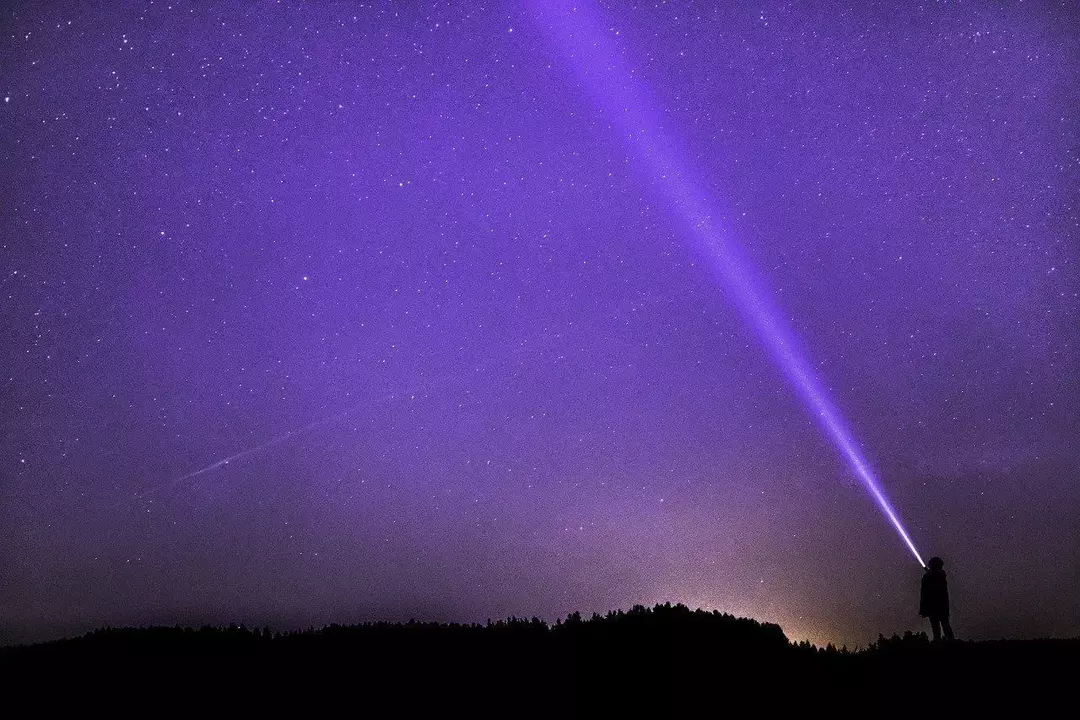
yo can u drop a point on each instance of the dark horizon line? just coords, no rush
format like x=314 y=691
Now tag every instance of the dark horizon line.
x=266 y=630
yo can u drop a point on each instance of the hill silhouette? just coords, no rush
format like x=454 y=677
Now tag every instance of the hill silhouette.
x=667 y=659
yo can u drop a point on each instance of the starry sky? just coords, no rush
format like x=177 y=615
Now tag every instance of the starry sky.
x=399 y=266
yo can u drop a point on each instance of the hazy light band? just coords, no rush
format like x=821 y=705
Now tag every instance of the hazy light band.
x=587 y=44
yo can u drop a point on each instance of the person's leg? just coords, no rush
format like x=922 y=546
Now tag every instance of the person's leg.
x=947 y=628
x=935 y=625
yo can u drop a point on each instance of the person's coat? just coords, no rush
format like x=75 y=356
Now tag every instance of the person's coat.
x=934 y=598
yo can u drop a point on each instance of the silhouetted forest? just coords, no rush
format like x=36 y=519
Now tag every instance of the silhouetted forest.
x=646 y=661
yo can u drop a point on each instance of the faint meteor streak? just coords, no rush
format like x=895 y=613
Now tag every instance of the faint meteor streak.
x=586 y=41
x=244 y=453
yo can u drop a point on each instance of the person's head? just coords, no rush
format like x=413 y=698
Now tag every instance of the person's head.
x=936 y=564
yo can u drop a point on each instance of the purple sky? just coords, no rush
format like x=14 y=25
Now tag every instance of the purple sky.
x=406 y=255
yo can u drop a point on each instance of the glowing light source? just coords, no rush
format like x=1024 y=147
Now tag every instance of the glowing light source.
x=586 y=42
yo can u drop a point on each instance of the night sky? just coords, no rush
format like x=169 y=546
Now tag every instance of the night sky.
x=408 y=257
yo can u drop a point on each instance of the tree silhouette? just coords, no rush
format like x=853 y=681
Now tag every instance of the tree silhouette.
x=665 y=660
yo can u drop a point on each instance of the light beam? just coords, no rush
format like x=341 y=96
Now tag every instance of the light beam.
x=586 y=42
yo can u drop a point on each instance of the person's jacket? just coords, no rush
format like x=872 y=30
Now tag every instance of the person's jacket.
x=934 y=598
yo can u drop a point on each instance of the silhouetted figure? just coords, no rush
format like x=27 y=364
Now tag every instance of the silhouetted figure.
x=934 y=598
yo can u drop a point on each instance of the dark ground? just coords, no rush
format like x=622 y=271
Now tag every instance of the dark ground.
x=659 y=662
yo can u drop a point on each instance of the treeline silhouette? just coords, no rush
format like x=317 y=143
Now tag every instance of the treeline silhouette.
x=666 y=659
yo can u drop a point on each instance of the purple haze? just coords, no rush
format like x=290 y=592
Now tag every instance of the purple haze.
x=447 y=320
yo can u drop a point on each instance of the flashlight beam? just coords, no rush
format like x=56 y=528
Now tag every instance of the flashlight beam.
x=586 y=41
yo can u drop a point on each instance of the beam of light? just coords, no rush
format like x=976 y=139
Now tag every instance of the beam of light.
x=586 y=41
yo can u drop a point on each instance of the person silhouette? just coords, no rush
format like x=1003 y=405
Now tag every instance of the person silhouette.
x=934 y=598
